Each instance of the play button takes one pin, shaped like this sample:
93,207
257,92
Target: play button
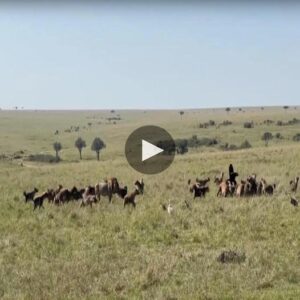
150,149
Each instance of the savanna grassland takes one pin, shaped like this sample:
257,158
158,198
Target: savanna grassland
68,252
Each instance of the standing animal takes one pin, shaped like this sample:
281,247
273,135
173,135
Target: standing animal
139,185
199,191
240,190
294,184
223,189
64,195
88,200
107,188
39,200
130,199
219,179
51,195
122,192
251,185
30,195
76,194
267,189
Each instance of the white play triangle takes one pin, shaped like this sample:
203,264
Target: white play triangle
149,150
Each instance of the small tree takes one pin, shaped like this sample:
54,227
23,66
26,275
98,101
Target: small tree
286,107
80,144
57,147
227,109
97,146
267,136
181,113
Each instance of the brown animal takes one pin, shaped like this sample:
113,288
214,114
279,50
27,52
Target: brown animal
30,195
294,184
88,200
251,185
130,199
139,189
107,188
51,195
219,179
240,190
64,195
223,189
39,200
267,189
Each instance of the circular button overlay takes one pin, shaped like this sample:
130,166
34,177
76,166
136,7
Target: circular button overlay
150,149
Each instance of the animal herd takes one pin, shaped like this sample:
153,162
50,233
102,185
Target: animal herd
90,195
86,196
246,187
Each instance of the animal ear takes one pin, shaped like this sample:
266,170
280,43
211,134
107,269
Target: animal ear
189,181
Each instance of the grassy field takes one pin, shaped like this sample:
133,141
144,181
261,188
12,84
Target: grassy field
69,252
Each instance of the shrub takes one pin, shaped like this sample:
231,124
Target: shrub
278,136
268,122
245,145
296,137
226,123
181,146
248,124
46,158
279,123
267,136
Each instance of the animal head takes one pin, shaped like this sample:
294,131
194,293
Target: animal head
263,181
139,186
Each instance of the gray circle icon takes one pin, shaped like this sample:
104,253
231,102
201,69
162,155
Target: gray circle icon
150,149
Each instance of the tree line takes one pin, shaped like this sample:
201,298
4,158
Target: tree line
97,145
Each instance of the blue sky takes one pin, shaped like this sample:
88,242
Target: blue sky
149,56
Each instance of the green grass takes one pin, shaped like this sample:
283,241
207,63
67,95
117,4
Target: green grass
110,252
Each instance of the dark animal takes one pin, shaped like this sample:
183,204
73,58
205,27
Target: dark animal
77,194
30,195
39,200
130,199
199,191
122,192
139,185
64,195
294,184
294,201
51,195
267,189
251,185
202,182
